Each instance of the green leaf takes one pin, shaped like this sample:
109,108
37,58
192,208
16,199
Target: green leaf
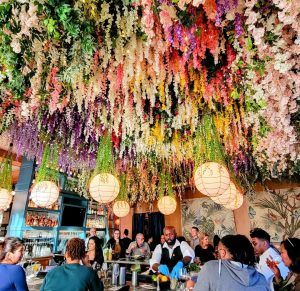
249,44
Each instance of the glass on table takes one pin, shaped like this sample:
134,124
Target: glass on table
106,282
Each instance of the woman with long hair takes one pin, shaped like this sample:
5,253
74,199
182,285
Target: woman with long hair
94,254
204,252
12,276
234,271
290,254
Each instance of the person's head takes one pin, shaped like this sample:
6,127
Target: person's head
216,240
260,240
126,232
12,250
93,231
204,242
162,239
194,231
150,240
236,248
75,249
94,244
170,235
116,234
290,254
139,239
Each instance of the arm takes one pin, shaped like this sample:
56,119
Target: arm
156,257
19,279
187,253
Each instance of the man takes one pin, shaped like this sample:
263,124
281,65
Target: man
139,247
172,256
72,276
263,249
92,232
116,244
126,240
194,237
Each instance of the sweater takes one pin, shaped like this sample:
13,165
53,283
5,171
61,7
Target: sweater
72,277
225,275
12,278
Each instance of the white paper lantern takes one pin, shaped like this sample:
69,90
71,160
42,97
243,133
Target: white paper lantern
121,208
236,202
211,179
5,199
167,205
44,193
227,197
104,188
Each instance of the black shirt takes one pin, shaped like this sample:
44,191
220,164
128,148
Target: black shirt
126,242
205,255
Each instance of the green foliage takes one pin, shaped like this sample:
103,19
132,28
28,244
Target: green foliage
105,159
6,174
165,184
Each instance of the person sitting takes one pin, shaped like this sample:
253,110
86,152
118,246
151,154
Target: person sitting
126,240
204,252
139,247
72,276
117,245
92,232
151,243
194,233
94,255
12,276
172,256
235,271
263,249
162,239
290,254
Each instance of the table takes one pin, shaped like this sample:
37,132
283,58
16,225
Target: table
128,262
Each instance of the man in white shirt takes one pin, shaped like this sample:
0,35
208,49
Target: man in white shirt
194,237
263,249
172,256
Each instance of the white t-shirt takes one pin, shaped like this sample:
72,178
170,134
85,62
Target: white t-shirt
186,250
263,268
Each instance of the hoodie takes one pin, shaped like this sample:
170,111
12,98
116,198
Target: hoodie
225,275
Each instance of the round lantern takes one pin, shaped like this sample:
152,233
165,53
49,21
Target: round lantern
121,208
5,199
44,193
167,205
228,196
211,179
104,188
236,202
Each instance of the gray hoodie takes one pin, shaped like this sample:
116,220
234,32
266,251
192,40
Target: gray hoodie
225,275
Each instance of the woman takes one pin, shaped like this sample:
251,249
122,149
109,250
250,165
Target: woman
12,276
117,245
72,276
94,254
290,254
204,251
235,271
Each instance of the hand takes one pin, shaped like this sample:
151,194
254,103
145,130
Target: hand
274,268
163,269
175,271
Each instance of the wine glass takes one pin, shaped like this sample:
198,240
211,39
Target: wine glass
183,277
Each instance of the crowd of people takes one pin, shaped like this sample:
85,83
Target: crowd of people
231,263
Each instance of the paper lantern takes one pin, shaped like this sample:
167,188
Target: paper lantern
44,193
167,205
104,188
211,179
121,208
228,196
5,199
236,202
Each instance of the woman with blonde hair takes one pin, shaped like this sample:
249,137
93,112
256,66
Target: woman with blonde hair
204,252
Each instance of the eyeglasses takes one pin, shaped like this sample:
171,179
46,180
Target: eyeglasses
290,242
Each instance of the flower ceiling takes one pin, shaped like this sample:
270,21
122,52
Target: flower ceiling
146,72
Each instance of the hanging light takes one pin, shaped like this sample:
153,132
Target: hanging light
5,199
211,179
104,187
121,208
227,196
44,193
167,205
236,203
